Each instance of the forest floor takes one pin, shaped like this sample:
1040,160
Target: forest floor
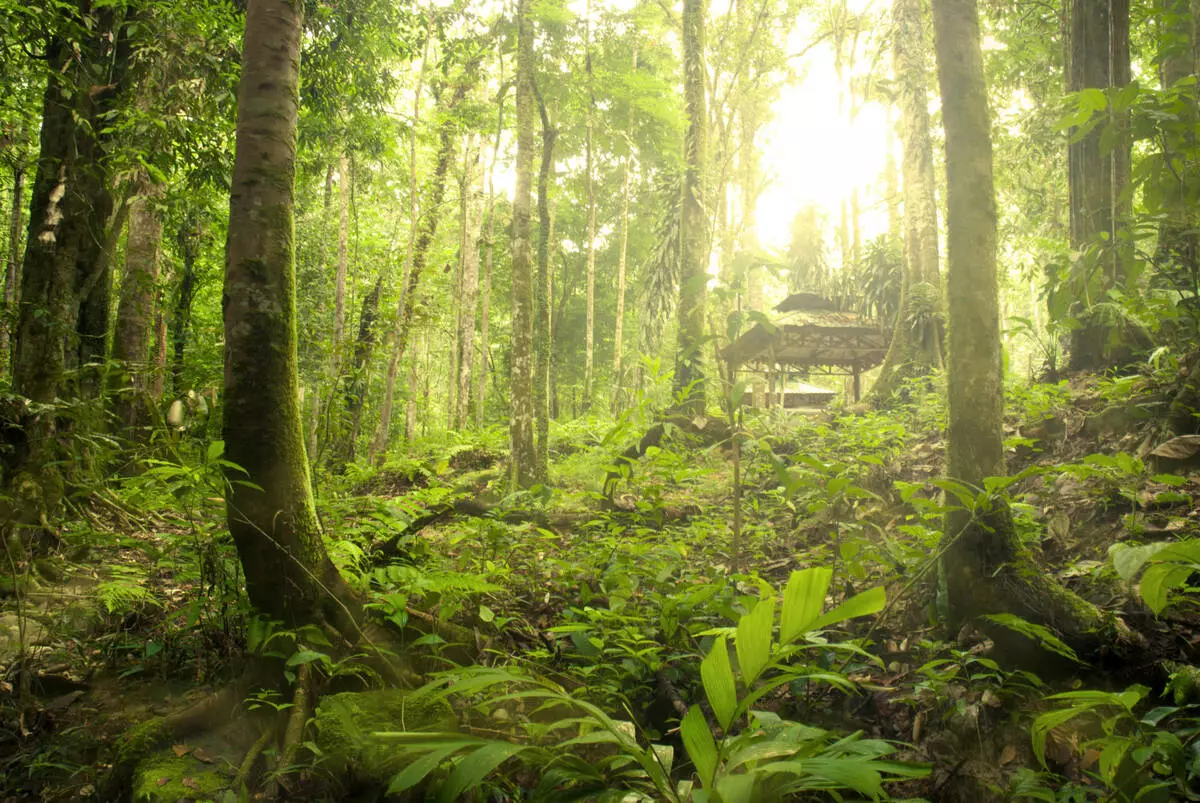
615,601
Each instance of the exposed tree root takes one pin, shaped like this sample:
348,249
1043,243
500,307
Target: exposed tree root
293,735
252,755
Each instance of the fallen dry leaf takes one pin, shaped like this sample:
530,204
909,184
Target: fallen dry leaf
1008,755
200,755
190,783
181,750
163,781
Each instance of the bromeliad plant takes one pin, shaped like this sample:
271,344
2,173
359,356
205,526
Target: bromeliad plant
580,751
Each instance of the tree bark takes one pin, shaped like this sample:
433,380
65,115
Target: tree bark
523,459
469,303
986,569
358,375
188,242
542,319
693,272
343,261
131,403
12,272
1098,173
272,518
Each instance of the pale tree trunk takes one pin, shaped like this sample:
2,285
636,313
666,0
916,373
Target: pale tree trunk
489,259
693,271
619,400
1098,171
272,517
131,403
590,331
456,311
426,230
158,369
523,460
891,177
470,300
12,272
915,349
542,317
987,570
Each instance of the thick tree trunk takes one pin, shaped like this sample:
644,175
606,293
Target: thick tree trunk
12,271
986,569
272,518
542,322
523,459
1098,172
693,271
129,381
915,348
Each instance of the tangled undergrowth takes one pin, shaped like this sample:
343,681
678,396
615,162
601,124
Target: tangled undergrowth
652,645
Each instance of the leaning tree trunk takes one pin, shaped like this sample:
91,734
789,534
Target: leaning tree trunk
272,517
541,323
523,458
129,380
1098,172
915,348
693,270
425,232
986,569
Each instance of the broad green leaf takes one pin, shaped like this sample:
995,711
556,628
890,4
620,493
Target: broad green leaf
1160,580
736,787
416,771
1128,560
1044,637
719,687
754,639
307,657
803,599
698,741
870,601
469,772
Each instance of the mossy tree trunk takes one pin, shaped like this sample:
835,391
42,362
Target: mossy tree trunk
693,269
129,380
272,518
12,271
521,422
986,569
1098,172
916,346
542,322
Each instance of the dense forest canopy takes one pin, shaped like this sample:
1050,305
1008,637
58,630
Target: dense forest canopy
683,400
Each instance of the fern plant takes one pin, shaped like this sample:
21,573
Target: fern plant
581,752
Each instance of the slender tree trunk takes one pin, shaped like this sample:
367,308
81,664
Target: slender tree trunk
12,272
986,569
1098,171
523,459
915,349
542,317
470,300
130,380
619,400
425,231
343,262
357,378
272,518
590,332
693,272
188,242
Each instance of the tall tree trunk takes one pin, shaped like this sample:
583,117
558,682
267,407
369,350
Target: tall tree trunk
489,259
618,379
426,230
1098,172
542,318
590,331
12,271
357,378
131,403
523,460
272,518
188,242
470,300
693,270
916,347
987,571
343,262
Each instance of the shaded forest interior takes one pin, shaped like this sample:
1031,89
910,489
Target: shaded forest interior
634,400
